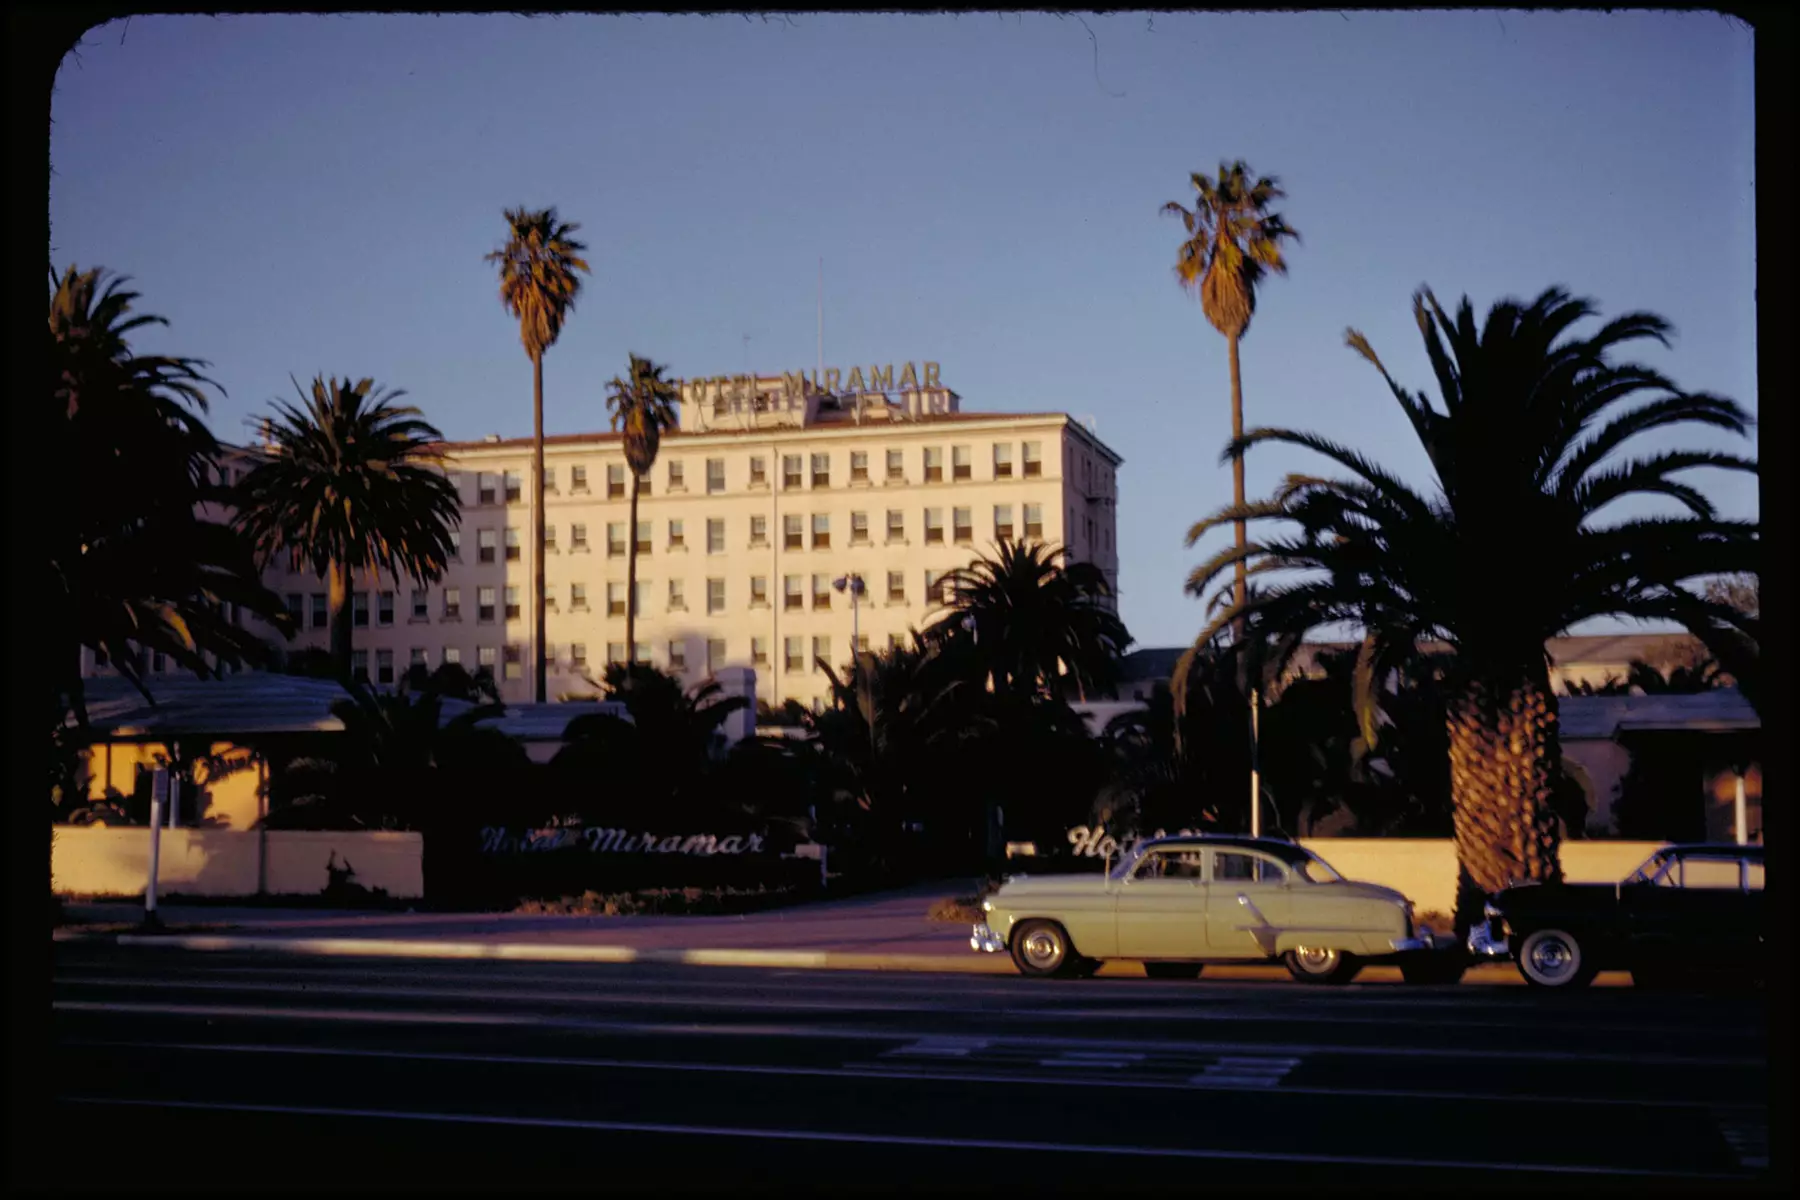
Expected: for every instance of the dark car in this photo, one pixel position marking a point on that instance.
(1693, 913)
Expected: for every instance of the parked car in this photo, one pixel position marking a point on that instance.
(1178, 903)
(1691, 911)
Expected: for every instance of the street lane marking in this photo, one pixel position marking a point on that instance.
(1115, 1059)
(941, 1047)
(885, 1139)
(1245, 1072)
(375, 1015)
(875, 1070)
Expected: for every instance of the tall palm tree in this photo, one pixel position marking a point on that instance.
(643, 407)
(351, 482)
(1033, 622)
(135, 566)
(538, 286)
(1511, 548)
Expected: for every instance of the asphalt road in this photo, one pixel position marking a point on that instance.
(201, 1071)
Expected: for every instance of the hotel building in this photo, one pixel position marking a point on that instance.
(772, 489)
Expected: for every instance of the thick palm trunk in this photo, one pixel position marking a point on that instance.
(1504, 761)
(540, 651)
(337, 592)
(1240, 589)
(631, 575)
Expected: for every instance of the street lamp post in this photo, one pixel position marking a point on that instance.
(853, 583)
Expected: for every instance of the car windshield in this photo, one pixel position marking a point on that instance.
(1314, 869)
(1127, 863)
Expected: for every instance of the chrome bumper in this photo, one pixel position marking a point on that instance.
(986, 940)
(1484, 944)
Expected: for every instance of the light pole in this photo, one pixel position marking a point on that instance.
(852, 583)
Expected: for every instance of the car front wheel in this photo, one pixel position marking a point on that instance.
(1310, 964)
(1555, 958)
(1041, 950)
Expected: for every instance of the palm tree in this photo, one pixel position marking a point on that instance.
(644, 408)
(351, 482)
(538, 286)
(1033, 622)
(134, 566)
(1511, 549)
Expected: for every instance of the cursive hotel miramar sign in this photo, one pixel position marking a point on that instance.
(497, 839)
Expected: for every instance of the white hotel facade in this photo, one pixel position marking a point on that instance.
(772, 489)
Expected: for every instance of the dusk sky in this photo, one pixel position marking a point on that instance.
(315, 194)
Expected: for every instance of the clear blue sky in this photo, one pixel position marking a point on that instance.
(315, 194)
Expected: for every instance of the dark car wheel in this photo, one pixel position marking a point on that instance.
(1173, 970)
(1555, 958)
(1041, 949)
(1312, 965)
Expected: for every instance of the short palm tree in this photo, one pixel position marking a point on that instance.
(643, 408)
(1511, 548)
(351, 482)
(1033, 622)
(538, 286)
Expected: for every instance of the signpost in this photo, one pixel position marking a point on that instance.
(159, 795)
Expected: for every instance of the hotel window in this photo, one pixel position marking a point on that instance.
(359, 609)
(452, 656)
(578, 537)
(792, 597)
(896, 525)
(1003, 522)
(715, 655)
(1034, 521)
(677, 595)
(960, 467)
(821, 653)
(934, 464)
(715, 596)
(293, 560)
(384, 666)
(452, 604)
(790, 471)
(512, 602)
(939, 588)
(862, 643)
(859, 466)
(296, 608)
(677, 475)
(643, 652)
(615, 481)
(821, 592)
(759, 651)
(456, 545)
(484, 488)
(550, 539)
(793, 532)
(1002, 460)
(359, 664)
(759, 591)
(896, 641)
(416, 659)
(859, 529)
(549, 596)
(934, 526)
(485, 599)
(715, 475)
(578, 597)
(715, 535)
(484, 658)
(896, 587)
(821, 531)
(759, 530)
(513, 487)
(384, 608)
(578, 656)
(514, 662)
(759, 471)
(578, 481)
(962, 523)
(821, 470)
(486, 544)
(678, 535)
(512, 544)
(159, 662)
(549, 479)
(896, 466)
(615, 599)
(794, 651)
(615, 539)
(1034, 459)
(643, 537)
(1090, 532)
(678, 655)
(615, 653)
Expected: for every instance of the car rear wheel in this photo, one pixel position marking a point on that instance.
(1555, 958)
(1311, 964)
(1041, 950)
(1173, 970)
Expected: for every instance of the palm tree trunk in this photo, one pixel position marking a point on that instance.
(540, 651)
(1504, 760)
(631, 575)
(337, 590)
(1240, 589)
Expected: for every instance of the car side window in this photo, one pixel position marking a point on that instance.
(1169, 866)
(1711, 874)
(1235, 866)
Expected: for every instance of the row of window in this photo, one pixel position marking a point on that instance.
(493, 604)
(797, 471)
(508, 661)
(503, 545)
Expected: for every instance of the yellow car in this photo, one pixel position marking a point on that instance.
(1178, 903)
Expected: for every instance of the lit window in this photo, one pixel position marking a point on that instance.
(821, 531)
(485, 603)
(1003, 458)
(484, 658)
(715, 595)
(452, 656)
(715, 535)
